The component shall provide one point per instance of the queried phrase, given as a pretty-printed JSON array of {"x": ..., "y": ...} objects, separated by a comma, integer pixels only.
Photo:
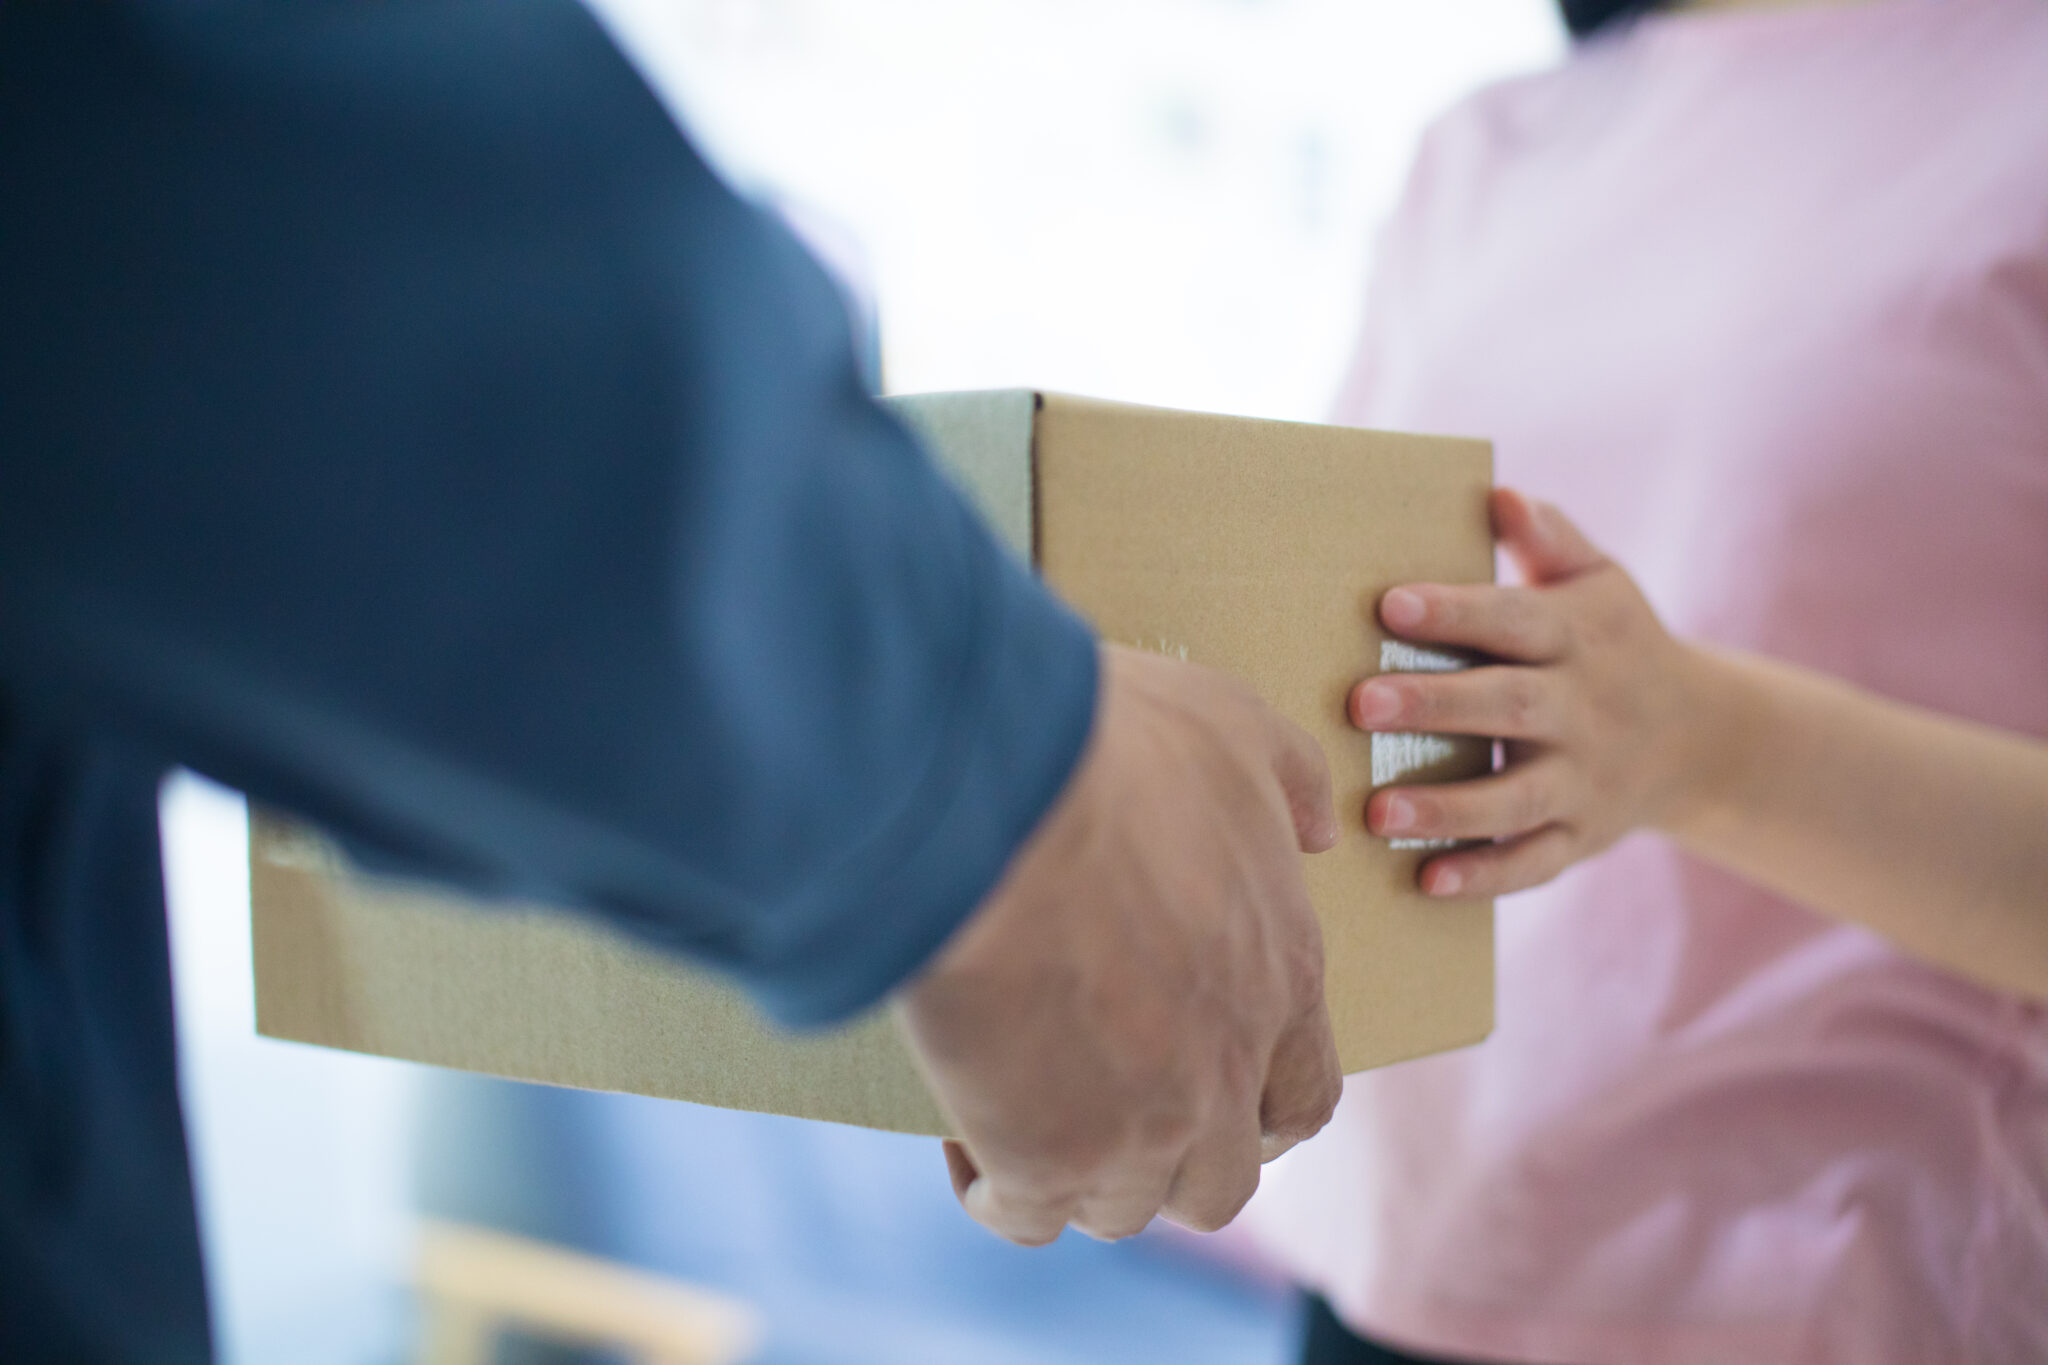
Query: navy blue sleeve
[{"x": 398, "y": 421}]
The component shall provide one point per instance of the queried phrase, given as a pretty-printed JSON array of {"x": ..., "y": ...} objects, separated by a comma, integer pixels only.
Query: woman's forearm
[{"x": 1928, "y": 830}]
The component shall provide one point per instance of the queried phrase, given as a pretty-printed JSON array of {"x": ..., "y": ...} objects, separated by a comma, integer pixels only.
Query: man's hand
[{"x": 1134, "y": 1019}]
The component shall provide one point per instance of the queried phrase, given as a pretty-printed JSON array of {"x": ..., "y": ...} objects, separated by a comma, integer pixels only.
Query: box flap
[{"x": 983, "y": 440}]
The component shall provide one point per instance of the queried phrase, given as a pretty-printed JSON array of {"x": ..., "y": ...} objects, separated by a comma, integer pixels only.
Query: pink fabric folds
[{"x": 1761, "y": 299}]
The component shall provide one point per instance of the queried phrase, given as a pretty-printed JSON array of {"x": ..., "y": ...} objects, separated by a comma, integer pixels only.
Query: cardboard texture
[{"x": 1255, "y": 547}]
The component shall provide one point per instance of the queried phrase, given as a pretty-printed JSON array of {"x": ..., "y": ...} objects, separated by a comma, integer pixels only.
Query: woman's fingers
[
  {"x": 1510, "y": 623},
  {"x": 1501, "y": 869},
  {"x": 1500, "y": 703},
  {"x": 1532, "y": 813},
  {"x": 1542, "y": 541},
  {"x": 1527, "y": 796}
]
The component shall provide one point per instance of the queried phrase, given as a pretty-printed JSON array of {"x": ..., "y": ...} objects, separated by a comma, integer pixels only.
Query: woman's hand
[
  {"x": 1925, "y": 828},
  {"x": 1599, "y": 707}
]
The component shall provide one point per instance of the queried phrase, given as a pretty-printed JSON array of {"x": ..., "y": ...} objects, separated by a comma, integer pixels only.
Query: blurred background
[{"x": 1161, "y": 201}]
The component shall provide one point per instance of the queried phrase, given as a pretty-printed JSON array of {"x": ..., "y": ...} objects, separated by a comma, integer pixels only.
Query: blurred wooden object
[{"x": 475, "y": 1284}]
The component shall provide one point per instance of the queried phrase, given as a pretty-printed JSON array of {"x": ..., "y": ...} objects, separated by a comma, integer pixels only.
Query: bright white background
[{"x": 1165, "y": 201}]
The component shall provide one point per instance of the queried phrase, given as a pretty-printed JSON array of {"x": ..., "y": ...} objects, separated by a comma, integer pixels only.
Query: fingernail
[
  {"x": 1447, "y": 881},
  {"x": 1402, "y": 609},
  {"x": 1377, "y": 704},
  {"x": 1396, "y": 815}
]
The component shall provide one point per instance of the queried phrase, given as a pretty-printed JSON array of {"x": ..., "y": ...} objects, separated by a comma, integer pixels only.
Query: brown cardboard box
[{"x": 1255, "y": 547}]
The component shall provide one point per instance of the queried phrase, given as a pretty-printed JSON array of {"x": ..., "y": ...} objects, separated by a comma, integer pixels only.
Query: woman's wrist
[{"x": 1716, "y": 735}]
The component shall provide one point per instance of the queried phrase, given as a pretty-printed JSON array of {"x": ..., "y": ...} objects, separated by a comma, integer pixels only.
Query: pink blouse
[{"x": 1761, "y": 299}]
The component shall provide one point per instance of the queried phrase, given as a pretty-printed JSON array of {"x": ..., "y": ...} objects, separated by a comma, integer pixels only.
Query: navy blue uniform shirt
[{"x": 398, "y": 422}]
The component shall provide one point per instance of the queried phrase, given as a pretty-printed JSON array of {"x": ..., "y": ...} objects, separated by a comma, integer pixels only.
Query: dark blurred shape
[
  {"x": 1586, "y": 17},
  {"x": 402, "y": 425},
  {"x": 1327, "y": 1341}
]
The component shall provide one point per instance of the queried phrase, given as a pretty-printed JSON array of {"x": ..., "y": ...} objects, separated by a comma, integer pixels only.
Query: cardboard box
[{"x": 1255, "y": 547}]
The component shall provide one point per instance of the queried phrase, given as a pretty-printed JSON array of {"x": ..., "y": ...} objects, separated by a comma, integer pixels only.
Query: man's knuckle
[
  {"x": 1163, "y": 1129},
  {"x": 1216, "y": 1210},
  {"x": 1329, "y": 1090},
  {"x": 1307, "y": 1118},
  {"x": 1304, "y": 1113},
  {"x": 1061, "y": 1170},
  {"x": 1291, "y": 1121},
  {"x": 1301, "y": 977},
  {"x": 1217, "y": 1198},
  {"x": 1024, "y": 1206}
]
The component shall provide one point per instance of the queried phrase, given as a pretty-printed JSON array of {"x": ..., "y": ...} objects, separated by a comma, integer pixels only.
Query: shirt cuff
[{"x": 1019, "y": 728}]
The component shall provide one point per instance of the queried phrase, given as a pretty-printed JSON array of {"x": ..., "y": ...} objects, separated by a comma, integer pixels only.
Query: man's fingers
[
  {"x": 1305, "y": 781},
  {"x": 1542, "y": 541},
  {"x": 1526, "y": 797},
  {"x": 1302, "y": 1080},
  {"x": 1510, "y": 623},
  {"x": 1303, "y": 1083},
  {"x": 1026, "y": 1221},
  {"x": 960, "y": 1167},
  {"x": 1501, "y": 702},
  {"x": 1500, "y": 869},
  {"x": 1218, "y": 1178},
  {"x": 1014, "y": 1215},
  {"x": 1127, "y": 1211},
  {"x": 1148, "y": 966}
]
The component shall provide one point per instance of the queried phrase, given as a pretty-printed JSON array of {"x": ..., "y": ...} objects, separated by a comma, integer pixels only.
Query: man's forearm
[{"x": 415, "y": 433}]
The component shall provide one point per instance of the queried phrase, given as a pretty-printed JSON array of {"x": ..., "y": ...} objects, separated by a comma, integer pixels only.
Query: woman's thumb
[{"x": 1544, "y": 545}]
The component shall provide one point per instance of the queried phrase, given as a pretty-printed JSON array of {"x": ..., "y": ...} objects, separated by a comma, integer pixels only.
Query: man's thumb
[{"x": 1305, "y": 780}]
